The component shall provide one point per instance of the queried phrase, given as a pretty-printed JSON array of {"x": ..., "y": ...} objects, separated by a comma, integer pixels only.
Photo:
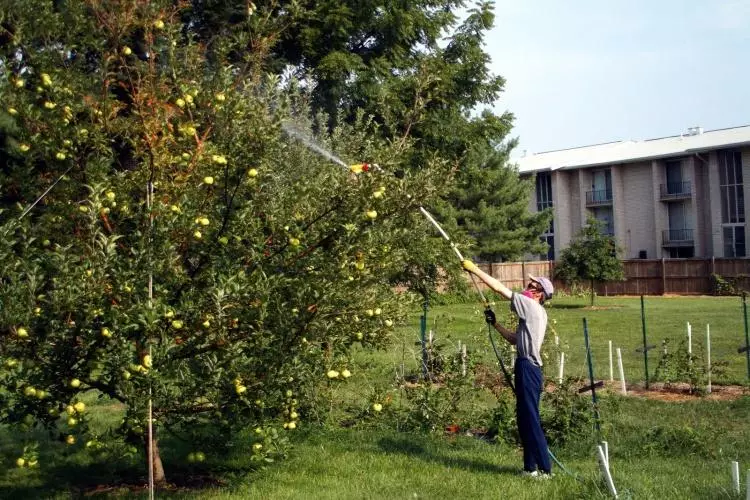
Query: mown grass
[{"x": 657, "y": 449}]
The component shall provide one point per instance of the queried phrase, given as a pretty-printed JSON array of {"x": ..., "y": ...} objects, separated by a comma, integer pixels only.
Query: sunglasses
[{"x": 534, "y": 286}]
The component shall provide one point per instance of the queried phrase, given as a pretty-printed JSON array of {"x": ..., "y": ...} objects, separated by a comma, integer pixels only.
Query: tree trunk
[
  {"x": 159, "y": 478},
  {"x": 592, "y": 293}
]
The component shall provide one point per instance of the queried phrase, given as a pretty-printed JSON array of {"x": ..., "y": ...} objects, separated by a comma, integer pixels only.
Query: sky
[{"x": 581, "y": 72}]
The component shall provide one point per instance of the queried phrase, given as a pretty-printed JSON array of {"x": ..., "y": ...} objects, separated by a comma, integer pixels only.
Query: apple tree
[{"x": 164, "y": 241}]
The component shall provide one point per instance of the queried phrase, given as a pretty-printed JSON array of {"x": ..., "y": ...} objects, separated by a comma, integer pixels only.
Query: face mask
[{"x": 527, "y": 293}]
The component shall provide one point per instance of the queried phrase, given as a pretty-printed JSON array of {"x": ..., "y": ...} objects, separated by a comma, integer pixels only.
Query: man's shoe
[{"x": 530, "y": 473}]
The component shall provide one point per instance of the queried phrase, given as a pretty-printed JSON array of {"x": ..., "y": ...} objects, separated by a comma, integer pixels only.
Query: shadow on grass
[{"x": 415, "y": 450}]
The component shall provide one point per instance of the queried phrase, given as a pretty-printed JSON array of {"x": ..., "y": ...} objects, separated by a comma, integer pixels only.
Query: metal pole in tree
[
  {"x": 423, "y": 332},
  {"x": 645, "y": 345},
  {"x": 747, "y": 336},
  {"x": 591, "y": 374}
]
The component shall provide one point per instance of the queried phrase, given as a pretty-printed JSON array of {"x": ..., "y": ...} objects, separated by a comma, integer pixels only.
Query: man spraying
[{"x": 528, "y": 380}]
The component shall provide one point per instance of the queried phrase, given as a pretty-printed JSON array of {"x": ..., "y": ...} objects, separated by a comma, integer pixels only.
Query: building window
[
  {"x": 543, "y": 202},
  {"x": 730, "y": 183},
  {"x": 734, "y": 241},
  {"x": 543, "y": 191},
  {"x": 732, "y": 203}
]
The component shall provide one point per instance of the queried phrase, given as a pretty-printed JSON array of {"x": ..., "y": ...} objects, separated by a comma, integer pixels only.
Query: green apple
[
  {"x": 29, "y": 391},
  {"x": 360, "y": 265},
  {"x": 388, "y": 323},
  {"x": 126, "y": 50},
  {"x": 22, "y": 332},
  {"x": 41, "y": 394},
  {"x": 46, "y": 243},
  {"x": 169, "y": 314},
  {"x": 240, "y": 389},
  {"x": 110, "y": 195},
  {"x": 219, "y": 159},
  {"x": 220, "y": 97},
  {"x": 208, "y": 180},
  {"x": 80, "y": 407},
  {"x": 191, "y": 457},
  {"x": 126, "y": 375},
  {"x": 332, "y": 374},
  {"x": 370, "y": 312},
  {"x": 177, "y": 324},
  {"x": 20, "y": 462},
  {"x": 175, "y": 209},
  {"x": 12, "y": 111},
  {"x": 20, "y": 83},
  {"x": 106, "y": 332},
  {"x": 224, "y": 240},
  {"x": 72, "y": 421},
  {"x": 159, "y": 24},
  {"x": 70, "y": 410},
  {"x": 294, "y": 242},
  {"x": 10, "y": 362},
  {"x": 377, "y": 407},
  {"x": 75, "y": 383},
  {"x": 46, "y": 80},
  {"x": 49, "y": 105},
  {"x": 24, "y": 147},
  {"x": 147, "y": 361},
  {"x": 53, "y": 412},
  {"x": 346, "y": 373},
  {"x": 70, "y": 439},
  {"x": 292, "y": 425},
  {"x": 372, "y": 214},
  {"x": 200, "y": 456},
  {"x": 198, "y": 235},
  {"x": 257, "y": 447},
  {"x": 179, "y": 102},
  {"x": 359, "y": 335},
  {"x": 206, "y": 324},
  {"x": 252, "y": 173}
]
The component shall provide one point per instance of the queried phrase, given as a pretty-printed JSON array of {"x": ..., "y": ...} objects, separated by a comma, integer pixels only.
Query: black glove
[{"x": 489, "y": 317}]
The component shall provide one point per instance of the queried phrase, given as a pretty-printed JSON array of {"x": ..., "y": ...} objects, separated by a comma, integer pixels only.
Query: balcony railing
[
  {"x": 598, "y": 197},
  {"x": 677, "y": 238},
  {"x": 675, "y": 190}
]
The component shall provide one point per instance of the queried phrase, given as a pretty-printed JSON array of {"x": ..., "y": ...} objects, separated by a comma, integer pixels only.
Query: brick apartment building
[{"x": 672, "y": 197}]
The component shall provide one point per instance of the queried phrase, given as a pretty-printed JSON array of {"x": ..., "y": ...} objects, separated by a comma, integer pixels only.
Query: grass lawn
[{"x": 658, "y": 449}]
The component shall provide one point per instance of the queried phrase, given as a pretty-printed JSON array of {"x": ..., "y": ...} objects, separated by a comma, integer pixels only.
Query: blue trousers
[{"x": 528, "y": 381}]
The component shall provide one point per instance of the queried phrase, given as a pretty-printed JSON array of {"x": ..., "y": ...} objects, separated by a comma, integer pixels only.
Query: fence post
[
  {"x": 663, "y": 276},
  {"x": 645, "y": 343}
]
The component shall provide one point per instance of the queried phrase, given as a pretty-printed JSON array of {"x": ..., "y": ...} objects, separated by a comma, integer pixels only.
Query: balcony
[
  {"x": 677, "y": 238},
  {"x": 599, "y": 198},
  {"x": 675, "y": 191}
]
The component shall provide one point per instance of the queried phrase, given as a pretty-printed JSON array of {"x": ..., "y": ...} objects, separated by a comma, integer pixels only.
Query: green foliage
[
  {"x": 677, "y": 441},
  {"x": 566, "y": 415},
  {"x": 190, "y": 250},
  {"x": 722, "y": 286},
  {"x": 592, "y": 256},
  {"x": 680, "y": 365}
]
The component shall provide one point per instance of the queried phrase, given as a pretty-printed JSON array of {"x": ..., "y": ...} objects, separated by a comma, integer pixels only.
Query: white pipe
[
  {"x": 605, "y": 471},
  {"x": 622, "y": 372},
  {"x": 463, "y": 360},
  {"x": 513, "y": 357},
  {"x": 605, "y": 445},
  {"x": 708, "y": 357},
  {"x": 747, "y": 484},
  {"x": 736, "y": 477},
  {"x": 611, "y": 371},
  {"x": 562, "y": 367},
  {"x": 690, "y": 338}
]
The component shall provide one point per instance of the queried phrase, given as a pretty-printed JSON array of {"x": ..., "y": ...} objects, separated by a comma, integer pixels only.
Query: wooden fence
[{"x": 642, "y": 277}]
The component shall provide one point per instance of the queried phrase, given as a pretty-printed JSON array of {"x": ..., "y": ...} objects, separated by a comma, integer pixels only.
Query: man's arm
[
  {"x": 489, "y": 280},
  {"x": 508, "y": 335}
]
